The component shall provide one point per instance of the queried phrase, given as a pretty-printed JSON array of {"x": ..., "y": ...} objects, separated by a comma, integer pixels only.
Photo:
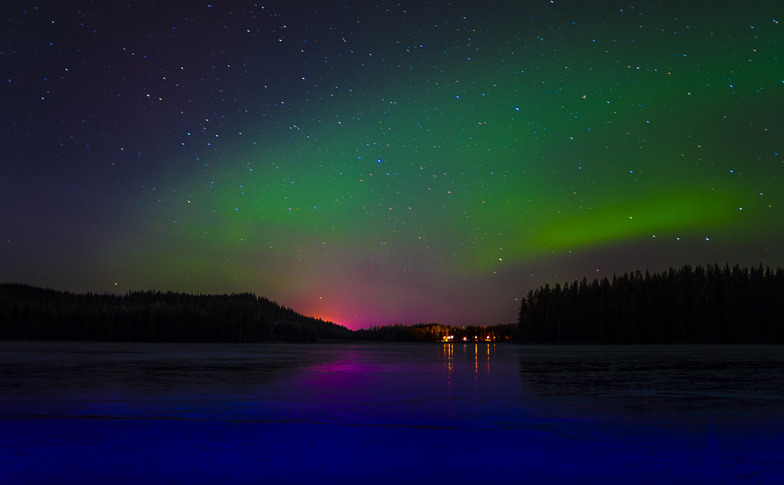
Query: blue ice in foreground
[{"x": 389, "y": 414}]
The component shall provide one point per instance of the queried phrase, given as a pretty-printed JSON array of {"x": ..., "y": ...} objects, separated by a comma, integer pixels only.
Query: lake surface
[{"x": 389, "y": 414}]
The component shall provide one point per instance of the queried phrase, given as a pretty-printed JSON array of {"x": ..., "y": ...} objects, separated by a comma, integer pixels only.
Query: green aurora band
[{"x": 443, "y": 175}]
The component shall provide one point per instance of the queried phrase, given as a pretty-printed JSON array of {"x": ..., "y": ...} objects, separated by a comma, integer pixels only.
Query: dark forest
[
  {"x": 29, "y": 313},
  {"x": 711, "y": 304}
]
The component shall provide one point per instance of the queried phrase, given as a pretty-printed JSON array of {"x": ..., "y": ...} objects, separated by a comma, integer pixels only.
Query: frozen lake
[{"x": 389, "y": 414}]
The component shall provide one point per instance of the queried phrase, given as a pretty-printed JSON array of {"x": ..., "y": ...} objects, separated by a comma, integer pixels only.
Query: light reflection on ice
[{"x": 707, "y": 413}]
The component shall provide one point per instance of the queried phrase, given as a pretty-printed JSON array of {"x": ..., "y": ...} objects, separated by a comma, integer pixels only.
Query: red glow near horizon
[
  {"x": 329, "y": 310},
  {"x": 354, "y": 318},
  {"x": 345, "y": 305}
]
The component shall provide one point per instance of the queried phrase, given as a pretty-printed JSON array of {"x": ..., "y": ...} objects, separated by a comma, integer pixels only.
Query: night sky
[{"x": 373, "y": 162}]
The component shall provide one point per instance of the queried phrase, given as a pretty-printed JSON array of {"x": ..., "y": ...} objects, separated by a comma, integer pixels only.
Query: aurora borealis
[{"x": 379, "y": 162}]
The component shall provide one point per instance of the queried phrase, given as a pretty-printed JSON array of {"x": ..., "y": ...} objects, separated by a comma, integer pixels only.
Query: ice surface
[{"x": 376, "y": 413}]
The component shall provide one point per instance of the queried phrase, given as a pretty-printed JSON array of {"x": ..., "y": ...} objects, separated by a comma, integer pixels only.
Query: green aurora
[{"x": 438, "y": 166}]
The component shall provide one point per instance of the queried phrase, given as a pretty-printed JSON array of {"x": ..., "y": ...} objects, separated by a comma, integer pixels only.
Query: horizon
[
  {"x": 646, "y": 272},
  {"x": 380, "y": 164},
  {"x": 121, "y": 295}
]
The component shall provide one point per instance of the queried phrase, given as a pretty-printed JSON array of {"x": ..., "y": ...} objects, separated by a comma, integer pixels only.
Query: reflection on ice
[
  {"x": 390, "y": 413},
  {"x": 480, "y": 353},
  {"x": 699, "y": 380}
]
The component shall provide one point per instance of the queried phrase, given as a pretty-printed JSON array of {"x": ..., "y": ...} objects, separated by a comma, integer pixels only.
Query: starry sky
[{"x": 374, "y": 162}]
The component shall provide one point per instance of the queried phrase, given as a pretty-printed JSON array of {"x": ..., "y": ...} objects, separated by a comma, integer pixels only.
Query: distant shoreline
[{"x": 687, "y": 306}]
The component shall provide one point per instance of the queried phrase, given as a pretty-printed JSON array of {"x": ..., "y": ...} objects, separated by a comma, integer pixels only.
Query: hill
[{"x": 31, "y": 313}]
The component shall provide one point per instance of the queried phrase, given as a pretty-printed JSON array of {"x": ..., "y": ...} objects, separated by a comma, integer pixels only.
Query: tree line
[
  {"x": 30, "y": 313},
  {"x": 711, "y": 304},
  {"x": 436, "y": 332}
]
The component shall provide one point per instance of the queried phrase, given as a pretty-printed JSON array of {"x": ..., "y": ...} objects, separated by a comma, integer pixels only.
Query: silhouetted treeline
[
  {"x": 29, "y": 313},
  {"x": 711, "y": 304},
  {"x": 436, "y": 332}
]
